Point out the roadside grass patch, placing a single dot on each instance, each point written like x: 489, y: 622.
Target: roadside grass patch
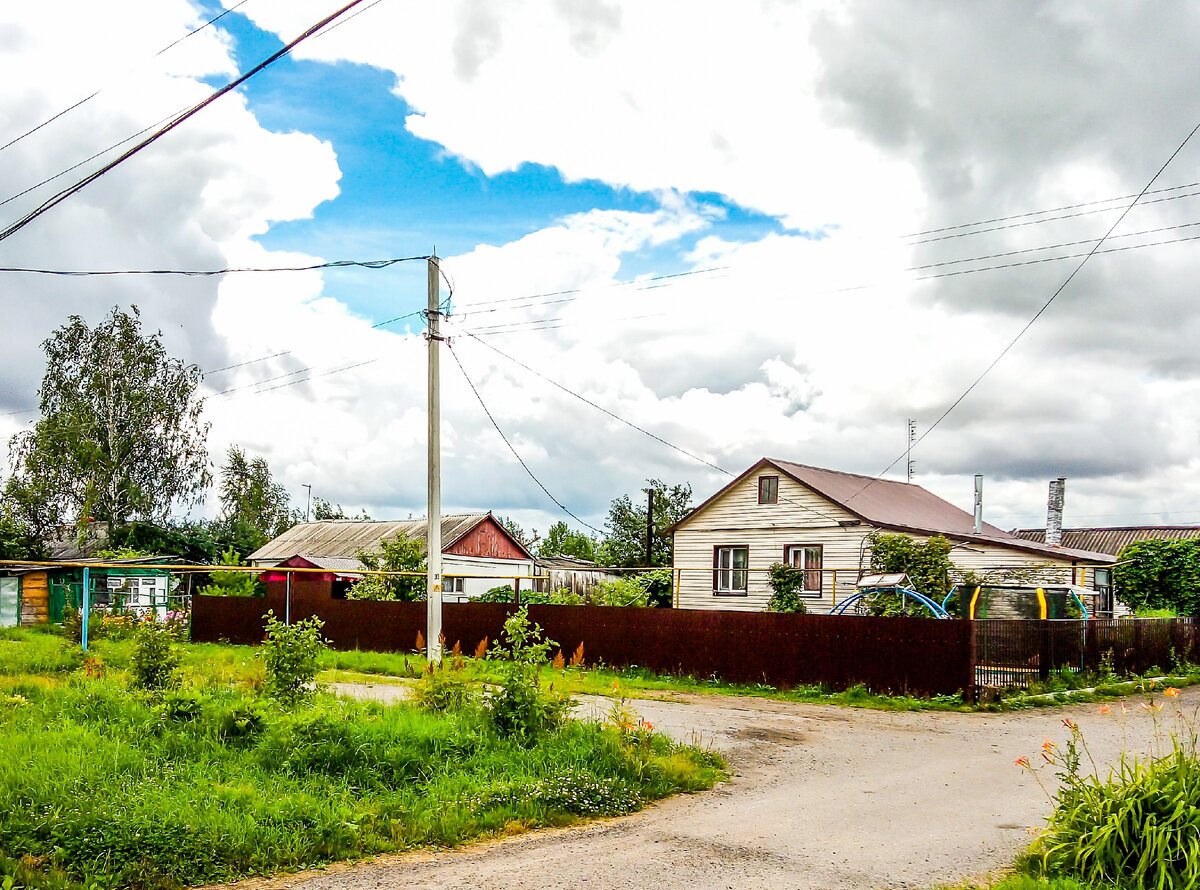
x: 104, y: 787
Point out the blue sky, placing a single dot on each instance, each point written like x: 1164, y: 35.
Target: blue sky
x: 401, y: 195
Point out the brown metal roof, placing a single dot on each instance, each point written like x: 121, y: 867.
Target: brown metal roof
x: 1115, y: 539
x: 346, y: 538
x: 904, y: 507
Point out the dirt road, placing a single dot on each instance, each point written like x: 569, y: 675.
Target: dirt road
x: 821, y: 797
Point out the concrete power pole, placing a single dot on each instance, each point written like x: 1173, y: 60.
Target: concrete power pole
x: 433, y: 550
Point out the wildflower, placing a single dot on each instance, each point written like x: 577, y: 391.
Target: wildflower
x: 1049, y: 745
x: 1070, y: 724
x: 1022, y: 762
x: 1151, y: 706
x: 1171, y: 692
x: 1104, y: 709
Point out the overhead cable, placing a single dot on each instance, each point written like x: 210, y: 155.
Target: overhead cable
x: 514, y: 451
x: 66, y: 193
x: 1041, y: 311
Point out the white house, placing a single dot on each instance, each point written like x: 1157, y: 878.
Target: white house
x: 821, y: 521
x: 478, y: 553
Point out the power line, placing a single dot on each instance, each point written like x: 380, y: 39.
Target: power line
x: 1046, y: 305
x: 633, y: 425
x: 332, y: 264
x: 1029, y: 213
x: 1034, y: 222
x: 555, y: 322
x: 178, y: 121
x: 515, y: 454
x: 88, y: 98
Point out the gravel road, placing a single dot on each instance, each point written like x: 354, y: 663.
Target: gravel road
x: 821, y: 797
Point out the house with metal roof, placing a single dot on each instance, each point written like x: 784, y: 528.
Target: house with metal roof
x: 1113, y: 539
x: 821, y: 521
x: 478, y: 553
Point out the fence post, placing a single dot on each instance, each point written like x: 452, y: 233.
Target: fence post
x: 1046, y: 652
x: 971, y: 690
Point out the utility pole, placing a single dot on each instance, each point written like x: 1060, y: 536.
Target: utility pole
x: 649, y: 526
x: 433, y: 549
x: 912, y: 437
x: 308, y: 501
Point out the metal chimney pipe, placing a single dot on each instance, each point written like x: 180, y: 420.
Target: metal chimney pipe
x: 979, y: 503
x: 1054, y: 511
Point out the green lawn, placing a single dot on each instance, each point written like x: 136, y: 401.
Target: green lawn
x: 102, y: 786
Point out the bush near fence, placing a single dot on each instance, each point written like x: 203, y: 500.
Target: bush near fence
x: 892, y: 655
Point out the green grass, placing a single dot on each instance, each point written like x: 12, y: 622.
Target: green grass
x: 1025, y: 882
x: 105, y: 787
x: 357, y: 666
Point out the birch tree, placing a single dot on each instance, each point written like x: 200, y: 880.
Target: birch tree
x: 121, y: 436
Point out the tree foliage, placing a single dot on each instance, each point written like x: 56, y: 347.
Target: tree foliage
x: 121, y: 435
x: 625, y: 544
x: 787, y: 585
x: 528, y: 539
x: 323, y: 510
x: 927, y: 563
x: 233, y: 583
x: 399, y: 554
x: 254, y: 507
x: 560, y: 540
x: 1160, y: 575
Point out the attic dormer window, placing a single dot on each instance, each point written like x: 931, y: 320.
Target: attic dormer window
x: 768, y: 489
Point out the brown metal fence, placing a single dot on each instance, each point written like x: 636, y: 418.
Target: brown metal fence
x: 1016, y: 653
x: 896, y: 655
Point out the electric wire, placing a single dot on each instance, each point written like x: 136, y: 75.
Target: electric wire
x: 331, y: 264
x: 514, y: 451
x: 66, y: 193
x: 1029, y: 213
x: 1041, y: 311
x: 88, y: 98
x: 632, y: 425
x: 1050, y: 219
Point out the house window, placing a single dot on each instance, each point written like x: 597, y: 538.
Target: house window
x: 768, y: 489
x: 809, y: 559
x: 453, y: 584
x: 730, y: 573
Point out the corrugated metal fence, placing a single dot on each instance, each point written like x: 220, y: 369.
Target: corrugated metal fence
x: 896, y: 655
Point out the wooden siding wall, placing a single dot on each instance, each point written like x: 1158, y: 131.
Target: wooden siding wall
x: 802, y: 517
x: 486, y: 540
x: 35, y: 598
x: 737, y: 519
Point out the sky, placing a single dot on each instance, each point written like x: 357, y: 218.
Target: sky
x: 748, y: 229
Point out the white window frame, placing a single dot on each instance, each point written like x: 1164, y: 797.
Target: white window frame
x: 789, y: 557
x: 726, y: 572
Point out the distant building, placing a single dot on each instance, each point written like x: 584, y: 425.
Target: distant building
x: 478, y: 553
x: 1113, y: 539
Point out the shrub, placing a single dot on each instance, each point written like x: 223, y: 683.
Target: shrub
x: 519, y: 709
x: 443, y: 691
x: 926, y: 563
x: 241, y: 722
x: 501, y: 593
x: 786, y: 584
x: 233, y: 583
x: 291, y: 654
x: 155, y: 660
x: 1135, y: 829
x: 399, y: 554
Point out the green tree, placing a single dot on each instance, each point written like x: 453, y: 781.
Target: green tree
x: 18, y: 538
x: 528, y: 539
x: 254, y: 507
x: 927, y: 563
x: 560, y: 540
x: 323, y: 509
x: 625, y: 544
x: 121, y: 435
x: 399, y: 554
x: 1160, y: 575
x: 233, y: 583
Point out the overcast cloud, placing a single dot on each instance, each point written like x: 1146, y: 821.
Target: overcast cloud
x: 851, y: 124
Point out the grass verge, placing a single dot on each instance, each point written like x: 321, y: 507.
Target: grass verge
x: 102, y: 786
